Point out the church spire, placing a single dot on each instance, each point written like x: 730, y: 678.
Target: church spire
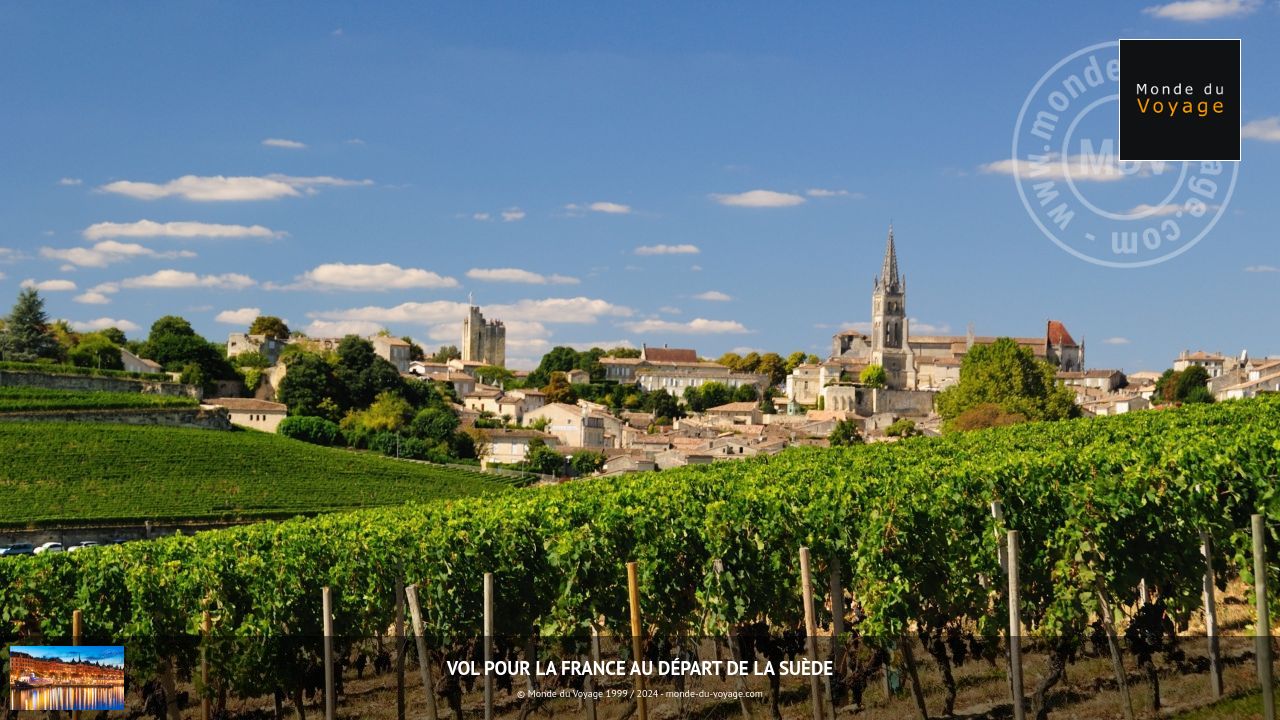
x: 889, y: 278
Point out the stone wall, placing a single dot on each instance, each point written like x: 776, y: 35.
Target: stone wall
x: 902, y: 402
x: 204, y: 417
x: 89, y: 383
x: 105, y: 532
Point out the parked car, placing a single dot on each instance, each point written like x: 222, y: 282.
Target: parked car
x: 18, y: 549
x: 82, y: 545
x: 49, y: 547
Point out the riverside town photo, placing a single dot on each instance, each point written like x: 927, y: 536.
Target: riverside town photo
x: 665, y: 361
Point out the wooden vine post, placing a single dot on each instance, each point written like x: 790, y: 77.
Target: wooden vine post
x: 1211, y: 616
x: 1263, y: 630
x: 424, y: 662
x: 330, y: 699
x: 206, y: 629
x: 836, y: 594
x: 811, y: 633
x: 488, y: 645
x: 400, y: 650
x: 1015, y: 627
x: 637, y: 641
x: 1104, y: 614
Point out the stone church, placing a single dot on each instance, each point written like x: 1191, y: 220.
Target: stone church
x: 913, y: 362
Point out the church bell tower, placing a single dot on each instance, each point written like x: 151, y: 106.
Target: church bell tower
x: 889, y: 348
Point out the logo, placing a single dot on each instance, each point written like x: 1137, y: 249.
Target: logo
x: 1067, y: 168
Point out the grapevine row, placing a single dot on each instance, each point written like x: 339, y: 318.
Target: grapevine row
x: 1101, y: 505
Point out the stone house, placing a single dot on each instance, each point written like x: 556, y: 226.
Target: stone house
x: 510, y: 447
x: 247, y: 412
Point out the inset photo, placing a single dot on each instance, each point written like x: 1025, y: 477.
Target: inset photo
x: 66, y: 677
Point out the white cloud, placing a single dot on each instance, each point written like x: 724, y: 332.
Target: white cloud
x: 103, y: 323
x: 70, y: 181
x: 180, y: 279
x: 283, y: 143
x: 481, y: 216
x: 341, y: 328
x: 1116, y: 341
x: 384, y: 276
x: 1162, y: 210
x: 219, y: 188
x: 1197, y: 10
x: 49, y: 285
x: 107, y: 252
x: 92, y: 297
x: 150, y: 228
x: 713, y: 296
x: 309, y: 182
x: 825, y: 193
x: 1267, y: 129
x: 667, y: 250
x: 670, y: 310
x: 575, y: 310
x: 697, y: 326
x: 516, y: 275
x: 1080, y: 168
x: 1262, y: 269
x: 9, y: 255
x: 603, y: 344
x: 512, y: 214
x: 243, y: 316
x: 758, y: 199
x: 610, y: 207
x: 354, y: 141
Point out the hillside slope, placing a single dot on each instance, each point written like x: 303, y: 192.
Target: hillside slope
x: 55, y: 473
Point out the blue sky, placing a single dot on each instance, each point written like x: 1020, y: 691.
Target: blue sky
x: 583, y: 171
x: 101, y: 654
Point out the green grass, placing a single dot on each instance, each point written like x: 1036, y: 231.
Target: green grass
x: 23, y: 399
x: 71, y: 473
x: 1243, y: 707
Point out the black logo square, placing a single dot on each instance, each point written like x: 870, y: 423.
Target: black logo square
x: 1179, y: 100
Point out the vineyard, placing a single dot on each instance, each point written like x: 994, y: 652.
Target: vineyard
x: 76, y: 370
x: 1102, y: 506
x: 26, y: 399
x: 62, y: 473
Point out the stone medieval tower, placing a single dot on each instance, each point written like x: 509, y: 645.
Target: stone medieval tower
x: 483, y: 340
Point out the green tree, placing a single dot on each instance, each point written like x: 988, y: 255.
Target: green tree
x: 115, y: 335
x: 709, y: 395
x: 1192, y: 386
x: 311, y: 388
x: 873, y: 376
x: 795, y: 360
x: 493, y: 375
x: 95, y: 350
x: 27, y: 335
x: 445, y: 354
x: 774, y: 366
x: 745, y: 393
x: 542, y: 459
x: 586, y: 462
x: 845, y: 433
x: 559, y: 359
x: 251, y: 359
x: 1010, y: 377
x: 985, y: 415
x: 416, y: 353
x: 388, y: 413
x: 175, y: 345
x: 269, y: 325
x: 434, y: 423
x: 364, y: 374
x: 663, y: 405
x: 558, y: 390
x: 902, y: 427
